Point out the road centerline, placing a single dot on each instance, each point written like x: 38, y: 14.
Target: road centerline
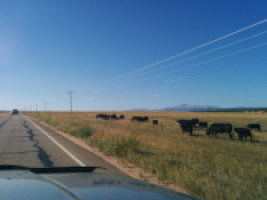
x: 57, y: 143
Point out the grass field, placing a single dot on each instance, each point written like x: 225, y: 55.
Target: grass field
x: 209, y: 168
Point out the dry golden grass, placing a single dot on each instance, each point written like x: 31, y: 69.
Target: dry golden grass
x: 210, y: 168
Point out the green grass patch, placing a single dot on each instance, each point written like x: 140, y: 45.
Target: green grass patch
x: 209, y: 168
x: 115, y: 145
x: 82, y: 132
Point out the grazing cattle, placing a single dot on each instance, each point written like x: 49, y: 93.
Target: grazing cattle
x: 106, y: 117
x: 100, y: 115
x: 186, y: 126
x: 254, y: 126
x: 195, y: 121
x: 139, y: 118
x: 183, y: 121
x: 155, y: 122
x: 145, y: 118
x: 113, y: 116
x: 186, y: 121
x: 220, y: 128
x: 203, y: 125
x: 103, y: 116
x: 243, y: 133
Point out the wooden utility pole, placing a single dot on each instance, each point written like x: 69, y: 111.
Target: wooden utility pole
x: 70, y: 93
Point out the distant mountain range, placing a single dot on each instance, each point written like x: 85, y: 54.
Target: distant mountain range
x: 191, y: 108
x: 138, y: 109
x: 201, y: 108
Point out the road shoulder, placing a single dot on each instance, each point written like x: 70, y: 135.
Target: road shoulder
x: 125, y: 167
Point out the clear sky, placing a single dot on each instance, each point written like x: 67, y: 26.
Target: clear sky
x: 105, y: 51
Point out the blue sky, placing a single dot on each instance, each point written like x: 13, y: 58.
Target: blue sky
x: 101, y: 50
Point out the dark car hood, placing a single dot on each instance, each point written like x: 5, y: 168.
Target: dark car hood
x: 16, y: 184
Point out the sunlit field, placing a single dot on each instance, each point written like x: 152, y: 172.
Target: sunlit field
x: 207, y: 167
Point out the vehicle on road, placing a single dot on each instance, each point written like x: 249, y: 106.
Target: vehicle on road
x: 18, y: 182
x: 15, y: 112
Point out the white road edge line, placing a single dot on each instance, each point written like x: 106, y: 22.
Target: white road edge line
x: 59, y: 145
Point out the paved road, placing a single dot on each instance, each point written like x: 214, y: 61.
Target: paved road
x: 26, y: 142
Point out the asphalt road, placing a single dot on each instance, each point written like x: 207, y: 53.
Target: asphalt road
x: 26, y: 142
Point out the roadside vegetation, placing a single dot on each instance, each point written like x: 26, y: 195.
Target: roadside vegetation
x: 207, y: 167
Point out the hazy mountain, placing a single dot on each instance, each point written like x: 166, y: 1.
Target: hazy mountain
x: 199, y: 108
x: 138, y: 109
x: 182, y: 107
x: 188, y: 107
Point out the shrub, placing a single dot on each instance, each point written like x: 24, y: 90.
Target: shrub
x: 118, y: 145
x: 84, y: 132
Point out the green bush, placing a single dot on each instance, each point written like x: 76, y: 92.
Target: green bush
x: 84, y: 132
x: 118, y: 145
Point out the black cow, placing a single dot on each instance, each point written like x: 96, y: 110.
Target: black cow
x: 243, y: 133
x: 183, y: 121
x: 106, y: 117
x: 139, y: 118
x: 203, y: 124
x: 103, y: 116
x: 186, y: 126
x: 100, y: 115
x: 121, y: 116
x: 113, y: 116
x: 254, y: 126
x: 220, y: 128
x: 155, y: 122
x: 195, y: 121
x: 136, y: 118
x: 145, y: 118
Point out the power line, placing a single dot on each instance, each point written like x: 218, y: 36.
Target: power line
x: 206, y: 61
x: 188, y: 51
x: 204, y: 53
x: 201, y: 63
x: 193, y: 65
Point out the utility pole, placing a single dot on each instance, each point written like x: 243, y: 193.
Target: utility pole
x: 36, y: 107
x: 45, y: 104
x: 70, y: 93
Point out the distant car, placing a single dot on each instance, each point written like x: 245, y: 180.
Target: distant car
x: 15, y: 112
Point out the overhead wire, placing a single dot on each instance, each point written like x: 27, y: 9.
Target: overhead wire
x: 206, y: 61
x: 188, y: 51
x: 186, y: 67
x: 202, y: 54
x: 192, y: 57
